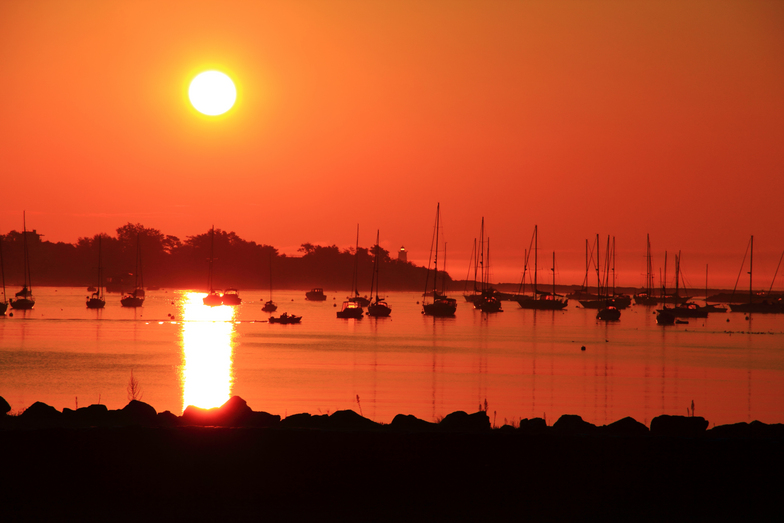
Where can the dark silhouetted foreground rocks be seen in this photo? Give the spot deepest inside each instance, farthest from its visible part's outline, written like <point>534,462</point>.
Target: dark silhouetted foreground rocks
<point>233,463</point>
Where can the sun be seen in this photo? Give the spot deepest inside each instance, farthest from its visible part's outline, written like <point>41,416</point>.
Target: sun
<point>212,93</point>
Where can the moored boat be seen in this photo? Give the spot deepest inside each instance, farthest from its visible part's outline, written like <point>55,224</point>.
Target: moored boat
<point>378,308</point>
<point>270,306</point>
<point>285,319</point>
<point>96,300</point>
<point>542,300</point>
<point>315,294</point>
<point>136,298</point>
<point>350,309</point>
<point>24,300</point>
<point>213,298</point>
<point>231,297</point>
<point>441,306</point>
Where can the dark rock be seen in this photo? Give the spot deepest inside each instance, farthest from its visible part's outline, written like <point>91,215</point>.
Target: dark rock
<point>262,420</point>
<point>5,408</point>
<point>626,427</point>
<point>305,421</point>
<point>233,413</point>
<point>350,420</point>
<point>411,423</point>
<point>90,416</point>
<point>460,421</point>
<point>40,411</point>
<point>167,419</point>
<point>573,424</point>
<point>533,426</point>
<point>688,426</point>
<point>507,428</point>
<point>140,413</point>
<point>755,429</point>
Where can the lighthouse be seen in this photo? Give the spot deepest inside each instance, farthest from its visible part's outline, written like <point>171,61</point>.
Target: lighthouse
<point>402,255</point>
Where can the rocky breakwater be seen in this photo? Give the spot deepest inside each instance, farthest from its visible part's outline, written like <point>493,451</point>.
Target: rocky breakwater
<point>235,463</point>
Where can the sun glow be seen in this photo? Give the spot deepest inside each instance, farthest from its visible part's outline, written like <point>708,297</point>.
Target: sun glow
<point>206,374</point>
<point>212,93</point>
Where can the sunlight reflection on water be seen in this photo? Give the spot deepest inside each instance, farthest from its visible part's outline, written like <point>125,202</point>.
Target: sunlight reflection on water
<point>207,371</point>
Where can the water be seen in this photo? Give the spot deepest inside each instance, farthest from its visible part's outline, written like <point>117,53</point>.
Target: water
<point>522,363</point>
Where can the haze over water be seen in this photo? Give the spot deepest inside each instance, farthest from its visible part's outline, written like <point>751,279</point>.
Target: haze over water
<point>524,363</point>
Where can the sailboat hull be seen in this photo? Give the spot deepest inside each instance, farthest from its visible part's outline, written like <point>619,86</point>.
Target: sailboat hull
<point>132,301</point>
<point>269,307</point>
<point>762,307</point>
<point>96,303</point>
<point>379,310</point>
<point>444,307</point>
<point>546,305</point>
<point>23,303</point>
<point>213,300</point>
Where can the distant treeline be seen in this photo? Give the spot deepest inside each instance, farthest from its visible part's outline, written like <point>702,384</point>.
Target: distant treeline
<point>170,262</point>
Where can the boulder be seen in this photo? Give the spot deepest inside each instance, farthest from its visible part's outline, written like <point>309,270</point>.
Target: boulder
<point>350,420</point>
<point>167,419</point>
<point>627,426</point>
<point>40,411</point>
<point>462,422</point>
<point>409,422</point>
<point>5,408</point>
<point>262,420</point>
<point>573,424</point>
<point>233,413</point>
<point>89,416</point>
<point>140,413</point>
<point>682,426</point>
<point>305,421</point>
<point>755,429</point>
<point>533,426</point>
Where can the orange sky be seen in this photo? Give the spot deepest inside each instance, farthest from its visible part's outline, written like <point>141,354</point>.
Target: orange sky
<point>613,117</point>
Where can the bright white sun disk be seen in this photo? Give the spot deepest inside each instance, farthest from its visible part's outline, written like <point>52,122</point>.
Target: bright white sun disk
<point>212,93</point>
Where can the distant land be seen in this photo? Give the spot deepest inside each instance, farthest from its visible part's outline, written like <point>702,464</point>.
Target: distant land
<point>170,262</point>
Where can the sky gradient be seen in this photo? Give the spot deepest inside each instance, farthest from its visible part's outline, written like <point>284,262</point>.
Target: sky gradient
<point>609,117</point>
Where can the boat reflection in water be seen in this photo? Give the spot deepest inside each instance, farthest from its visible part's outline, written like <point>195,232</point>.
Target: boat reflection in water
<point>207,369</point>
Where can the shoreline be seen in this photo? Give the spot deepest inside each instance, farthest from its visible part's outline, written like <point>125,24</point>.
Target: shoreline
<point>235,463</point>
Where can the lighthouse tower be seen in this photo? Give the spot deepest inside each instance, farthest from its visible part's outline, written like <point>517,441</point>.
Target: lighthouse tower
<point>402,255</point>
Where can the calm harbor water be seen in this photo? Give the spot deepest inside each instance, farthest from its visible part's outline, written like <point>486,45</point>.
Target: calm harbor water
<point>523,363</point>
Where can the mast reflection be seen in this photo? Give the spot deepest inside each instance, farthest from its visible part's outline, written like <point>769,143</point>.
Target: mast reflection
<point>206,373</point>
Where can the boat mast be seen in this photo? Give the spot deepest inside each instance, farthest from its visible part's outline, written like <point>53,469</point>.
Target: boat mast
<point>482,255</point>
<point>435,258</point>
<point>212,253</point>
<point>100,270</point>
<point>536,256</point>
<point>28,283</point>
<point>2,269</point>
<point>487,272</point>
<point>374,277</point>
<point>355,283</point>
<point>598,273</point>
<point>270,275</point>
<point>649,282</point>
<point>677,272</point>
<point>751,268</point>
<point>607,269</point>
<point>664,280</point>
<point>553,275</point>
<point>139,273</point>
<point>613,267</point>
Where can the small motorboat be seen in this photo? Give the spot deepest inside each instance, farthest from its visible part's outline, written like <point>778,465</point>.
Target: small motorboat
<point>285,318</point>
<point>316,294</point>
<point>609,313</point>
<point>231,297</point>
<point>351,309</point>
